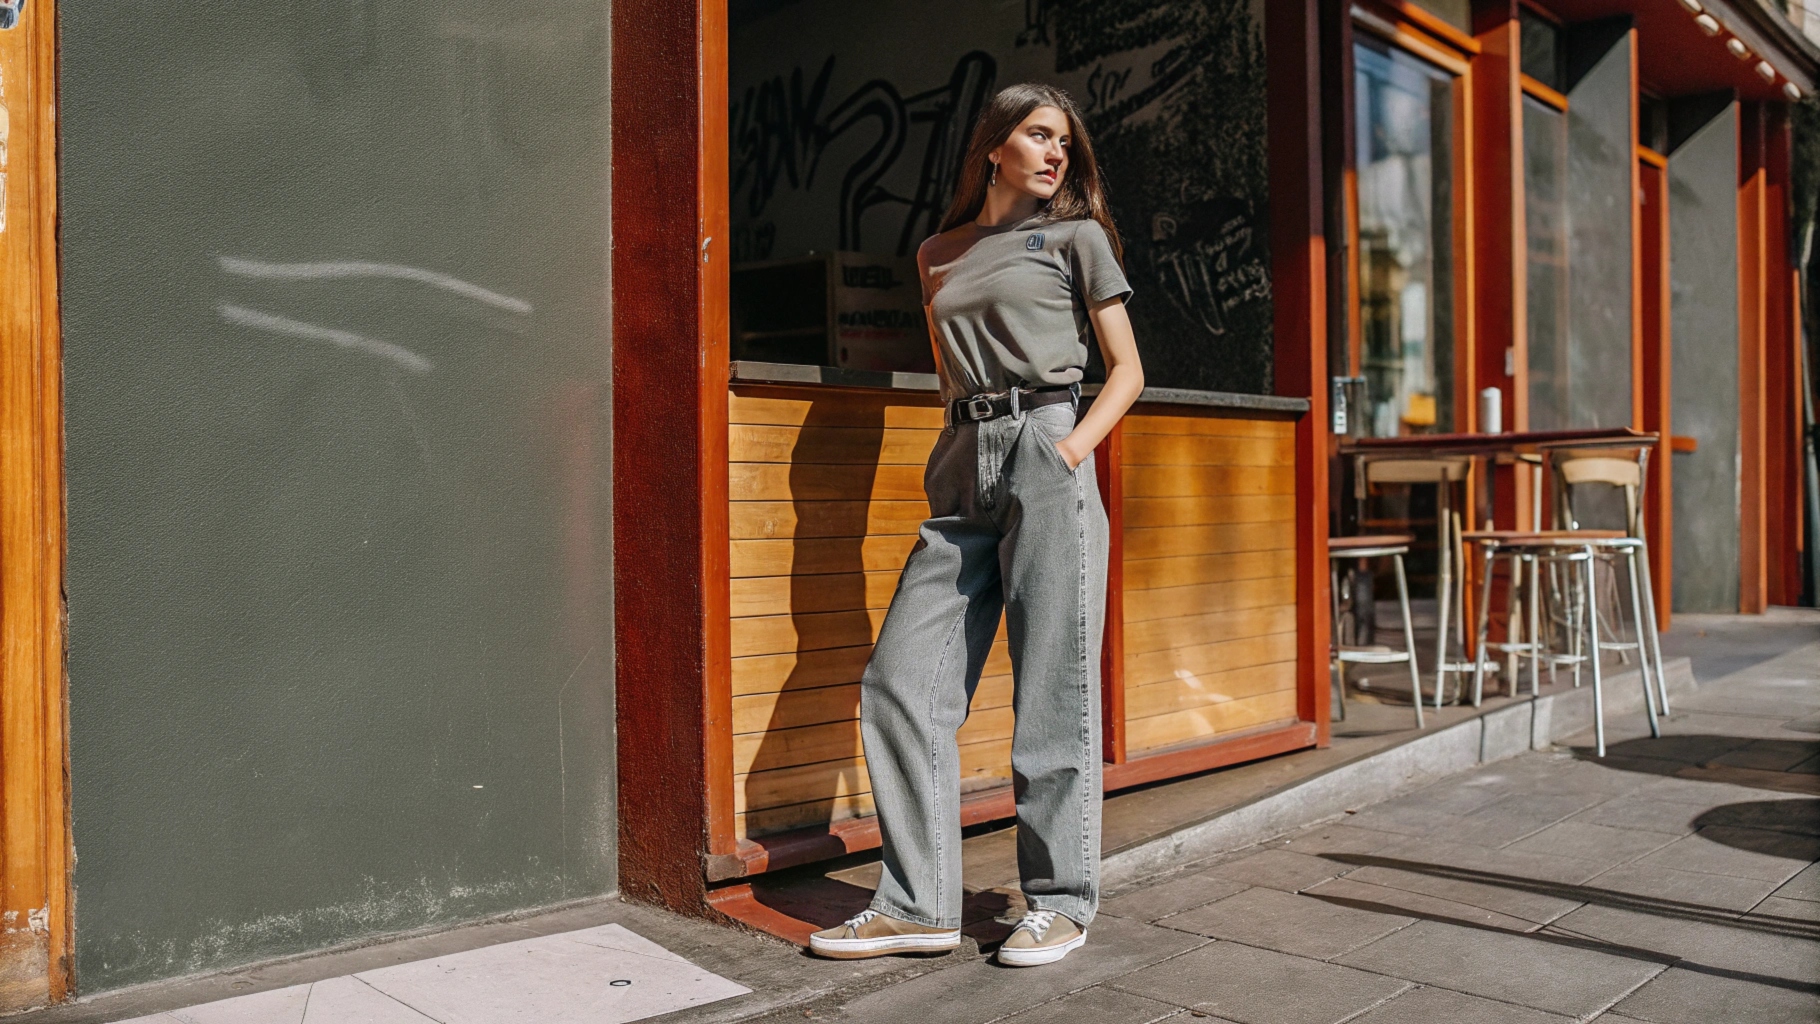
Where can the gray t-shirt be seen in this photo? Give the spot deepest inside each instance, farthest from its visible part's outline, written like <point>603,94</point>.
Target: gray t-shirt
<point>1010,303</point>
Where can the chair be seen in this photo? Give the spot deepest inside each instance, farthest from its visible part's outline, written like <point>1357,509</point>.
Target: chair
<point>1359,549</point>
<point>1579,551</point>
<point>1624,471</point>
<point>1450,602</point>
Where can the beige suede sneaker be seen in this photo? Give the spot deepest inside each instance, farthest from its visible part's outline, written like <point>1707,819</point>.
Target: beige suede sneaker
<point>871,934</point>
<point>1042,937</point>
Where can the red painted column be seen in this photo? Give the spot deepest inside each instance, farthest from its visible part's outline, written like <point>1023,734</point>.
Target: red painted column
<point>1298,266</point>
<point>669,439</point>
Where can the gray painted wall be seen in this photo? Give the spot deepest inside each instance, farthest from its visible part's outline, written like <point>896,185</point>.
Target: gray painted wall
<point>1703,227</point>
<point>336,320</point>
<point>1600,159</point>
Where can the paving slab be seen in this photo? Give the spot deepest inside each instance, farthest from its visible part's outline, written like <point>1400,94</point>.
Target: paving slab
<point>1598,844</point>
<point>1765,952</point>
<point>1680,891</point>
<point>1441,1006</point>
<point>1740,853</point>
<point>1170,897</point>
<point>1260,986</point>
<point>1680,996</point>
<point>1522,969</point>
<point>1407,820</point>
<point>1514,817</point>
<point>1100,1005</point>
<point>1278,869</point>
<point>1537,906</point>
<point>1288,923</point>
<point>1804,886</point>
<point>979,990</point>
<point>1348,892</point>
<point>1776,908</point>
<point>1334,837</point>
<point>1649,815</point>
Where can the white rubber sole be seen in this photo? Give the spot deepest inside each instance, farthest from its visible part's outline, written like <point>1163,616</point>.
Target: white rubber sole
<point>1041,955</point>
<point>859,949</point>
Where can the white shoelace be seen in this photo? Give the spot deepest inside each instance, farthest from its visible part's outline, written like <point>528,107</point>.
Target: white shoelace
<point>859,919</point>
<point>1037,923</point>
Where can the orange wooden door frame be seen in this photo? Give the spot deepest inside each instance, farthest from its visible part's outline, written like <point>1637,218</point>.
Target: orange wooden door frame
<point>1658,376</point>
<point>35,927</point>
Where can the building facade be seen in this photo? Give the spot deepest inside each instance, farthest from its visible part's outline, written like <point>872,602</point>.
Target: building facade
<point>456,458</point>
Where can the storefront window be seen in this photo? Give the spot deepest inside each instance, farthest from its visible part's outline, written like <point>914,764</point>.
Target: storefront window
<point>1457,13</point>
<point>1542,56</point>
<point>1544,173</point>
<point>1405,158</point>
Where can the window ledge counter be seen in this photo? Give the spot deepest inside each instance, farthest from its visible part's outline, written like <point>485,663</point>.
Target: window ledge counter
<point>825,496</point>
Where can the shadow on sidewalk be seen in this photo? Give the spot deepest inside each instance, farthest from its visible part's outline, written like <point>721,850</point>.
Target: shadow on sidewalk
<point>1677,910</point>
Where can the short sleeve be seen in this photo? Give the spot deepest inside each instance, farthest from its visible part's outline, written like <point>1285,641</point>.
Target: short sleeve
<point>1097,274</point>
<point>922,268</point>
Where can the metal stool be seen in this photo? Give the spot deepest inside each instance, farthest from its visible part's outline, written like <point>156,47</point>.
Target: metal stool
<point>1580,551</point>
<point>1450,600</point>
<point>1623,471</point>
<point>1360,548</point>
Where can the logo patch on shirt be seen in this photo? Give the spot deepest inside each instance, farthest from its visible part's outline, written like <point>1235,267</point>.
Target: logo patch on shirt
<point>1034,242</point>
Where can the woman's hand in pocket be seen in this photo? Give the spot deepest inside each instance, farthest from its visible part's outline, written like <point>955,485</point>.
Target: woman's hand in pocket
<point>1065,448</point>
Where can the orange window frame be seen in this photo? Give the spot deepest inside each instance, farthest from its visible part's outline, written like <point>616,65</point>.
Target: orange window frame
<point>1408,27</point>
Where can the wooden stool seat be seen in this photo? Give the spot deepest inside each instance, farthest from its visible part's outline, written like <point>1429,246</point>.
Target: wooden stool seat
<point>1382,540</point>
<point>1532,537</point>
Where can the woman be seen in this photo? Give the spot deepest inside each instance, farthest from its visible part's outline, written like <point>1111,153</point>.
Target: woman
<point>1025,271</point>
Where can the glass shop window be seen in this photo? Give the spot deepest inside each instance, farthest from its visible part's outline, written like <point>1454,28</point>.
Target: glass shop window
<point>1544,180</point>
<point>1406,248</point>
<point>1457,13</point>
<point>1543,59</point>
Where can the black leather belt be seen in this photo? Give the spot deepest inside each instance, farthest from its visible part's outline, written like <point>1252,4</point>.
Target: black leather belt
<point>980,408</point>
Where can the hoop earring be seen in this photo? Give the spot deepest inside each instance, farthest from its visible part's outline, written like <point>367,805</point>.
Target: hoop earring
<point>993,181</point>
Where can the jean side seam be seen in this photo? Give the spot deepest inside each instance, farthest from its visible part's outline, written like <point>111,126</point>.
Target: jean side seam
<point>935,780</point>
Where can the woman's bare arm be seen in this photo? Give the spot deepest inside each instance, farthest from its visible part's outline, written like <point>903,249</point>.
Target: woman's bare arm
<point>1124,382</point>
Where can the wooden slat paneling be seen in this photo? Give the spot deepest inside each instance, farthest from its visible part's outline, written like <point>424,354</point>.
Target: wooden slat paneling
<point>1206,481</point>
<point>1142,512</point>
<point>825,445</point>
<point>1203,450</point>
<point>782,748</point>
<point>1210,602</point>
<point>790,709</point>
<point>820,556</point>
<point>1207,598</point>
<point>1168,424</point>
<point>832,592</point>
<point>765,520</point>
<point>1159,731</point>
<point>826,503</point>
<point>1205,539</point>
<point>837,409</point>
<point>762,481</point>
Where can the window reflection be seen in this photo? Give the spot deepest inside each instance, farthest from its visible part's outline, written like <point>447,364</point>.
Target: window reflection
<point>1544,174</point>
<point>1405,159</point>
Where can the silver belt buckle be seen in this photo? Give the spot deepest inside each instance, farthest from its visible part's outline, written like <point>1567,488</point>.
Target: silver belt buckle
<point>979,407</point>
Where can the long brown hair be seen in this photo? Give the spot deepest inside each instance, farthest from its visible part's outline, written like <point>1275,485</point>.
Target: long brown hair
<point>1083,191</point>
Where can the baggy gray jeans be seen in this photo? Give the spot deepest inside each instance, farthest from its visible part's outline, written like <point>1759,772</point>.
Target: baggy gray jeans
<point>1013,529</point>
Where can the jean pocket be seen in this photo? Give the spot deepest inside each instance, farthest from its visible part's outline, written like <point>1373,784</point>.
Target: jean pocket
<point>1046,435</point>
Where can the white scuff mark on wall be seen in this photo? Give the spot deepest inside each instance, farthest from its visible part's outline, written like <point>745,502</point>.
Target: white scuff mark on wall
<point>37,921</point>
<point>380,909</point>
<point>353,270</point>
<point>275,324</point>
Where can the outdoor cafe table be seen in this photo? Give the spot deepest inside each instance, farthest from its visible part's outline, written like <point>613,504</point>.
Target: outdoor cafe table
<point>1530,446</point>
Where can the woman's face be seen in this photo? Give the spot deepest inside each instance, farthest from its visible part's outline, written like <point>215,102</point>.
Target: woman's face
<point>1035,158</point>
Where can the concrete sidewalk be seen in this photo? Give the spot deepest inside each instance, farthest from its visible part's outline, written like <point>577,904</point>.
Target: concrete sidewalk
<point>1674,881</point>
